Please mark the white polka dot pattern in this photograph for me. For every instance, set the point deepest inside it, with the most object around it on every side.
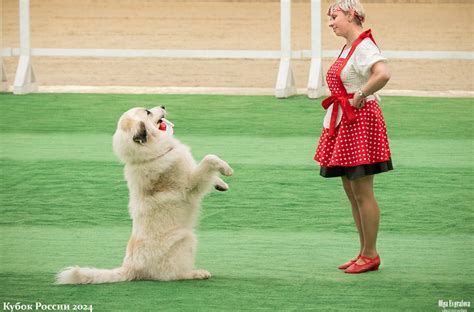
(359, 143)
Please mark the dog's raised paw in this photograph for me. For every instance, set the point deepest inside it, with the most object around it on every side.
(221, 186)
(227, 170)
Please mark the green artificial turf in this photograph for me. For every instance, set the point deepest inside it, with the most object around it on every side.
(272, 242)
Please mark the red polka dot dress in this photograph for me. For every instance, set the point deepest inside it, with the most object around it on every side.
(353, 142)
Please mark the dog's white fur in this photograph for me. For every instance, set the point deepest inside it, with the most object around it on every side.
(165, 187)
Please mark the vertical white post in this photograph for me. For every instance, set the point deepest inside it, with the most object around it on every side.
(3, 75)
(25, 80)
(315, 80)
(285, 85)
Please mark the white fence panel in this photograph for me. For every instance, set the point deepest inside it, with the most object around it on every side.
(25, 80)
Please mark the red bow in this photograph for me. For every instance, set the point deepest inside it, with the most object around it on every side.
(347, 110)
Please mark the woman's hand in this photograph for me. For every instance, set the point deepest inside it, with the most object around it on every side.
(378, 79)
(358, 101)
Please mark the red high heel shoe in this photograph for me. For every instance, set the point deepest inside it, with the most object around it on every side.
(348, 263)
(370, 264)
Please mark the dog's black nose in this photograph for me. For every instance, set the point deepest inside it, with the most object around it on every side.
(162, 107)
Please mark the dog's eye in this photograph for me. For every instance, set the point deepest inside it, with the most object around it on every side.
(148, 112)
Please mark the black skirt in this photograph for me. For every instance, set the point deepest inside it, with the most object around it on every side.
(356, 172)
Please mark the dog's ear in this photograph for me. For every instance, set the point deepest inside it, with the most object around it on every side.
(126, 124)
(141, 135)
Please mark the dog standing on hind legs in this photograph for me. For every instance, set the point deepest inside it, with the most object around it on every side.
(166, 187)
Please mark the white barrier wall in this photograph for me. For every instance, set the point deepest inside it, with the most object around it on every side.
(285, 85)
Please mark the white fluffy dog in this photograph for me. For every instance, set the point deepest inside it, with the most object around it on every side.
(165, 187)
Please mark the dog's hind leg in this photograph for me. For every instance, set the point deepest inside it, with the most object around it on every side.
(196, 274)
(181, 255)
(177, 262)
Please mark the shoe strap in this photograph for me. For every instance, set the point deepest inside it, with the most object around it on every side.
(355, 260)
(367, 260)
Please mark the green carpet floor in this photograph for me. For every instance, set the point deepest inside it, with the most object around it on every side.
(272, 242)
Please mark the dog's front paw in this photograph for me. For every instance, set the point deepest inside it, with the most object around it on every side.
(221, 186)
(226, 169)
(219, 165)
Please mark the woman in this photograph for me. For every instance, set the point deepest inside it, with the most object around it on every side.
(353, 143)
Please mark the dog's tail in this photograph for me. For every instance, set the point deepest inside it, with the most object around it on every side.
(77, 275)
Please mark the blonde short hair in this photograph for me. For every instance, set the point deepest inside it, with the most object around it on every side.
(347, 6)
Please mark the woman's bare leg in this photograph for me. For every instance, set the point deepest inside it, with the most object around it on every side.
(355, 210)
(362, 189)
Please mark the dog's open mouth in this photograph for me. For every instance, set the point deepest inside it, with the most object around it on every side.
(165, 125)
(161, 125)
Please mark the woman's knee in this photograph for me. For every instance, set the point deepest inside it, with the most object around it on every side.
(363, 199)
(348, 190)
(362, 190)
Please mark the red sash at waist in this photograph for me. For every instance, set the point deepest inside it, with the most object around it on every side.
(347, 109)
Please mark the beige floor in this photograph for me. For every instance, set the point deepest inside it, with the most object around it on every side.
(225, 25)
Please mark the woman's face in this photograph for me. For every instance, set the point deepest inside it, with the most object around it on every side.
(339, 22)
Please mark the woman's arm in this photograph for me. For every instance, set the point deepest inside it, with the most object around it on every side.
(378, 79)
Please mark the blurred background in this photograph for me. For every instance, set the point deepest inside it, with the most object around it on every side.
(397, 25)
